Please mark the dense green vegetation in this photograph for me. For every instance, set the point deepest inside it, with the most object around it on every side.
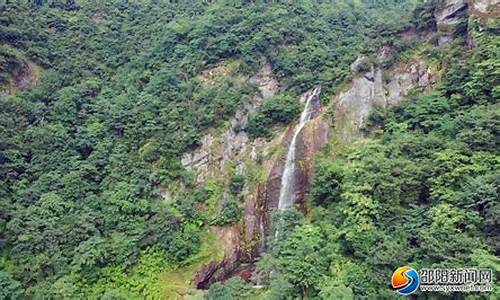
(278, 109)
(122, 94)
(119, 99)
(422, 190)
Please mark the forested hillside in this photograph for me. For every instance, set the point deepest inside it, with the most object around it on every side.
(422, 189)
(99, 100)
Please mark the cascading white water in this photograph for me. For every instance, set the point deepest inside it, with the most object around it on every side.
(287, 192)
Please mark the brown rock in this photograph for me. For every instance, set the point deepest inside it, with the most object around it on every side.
(216, 271)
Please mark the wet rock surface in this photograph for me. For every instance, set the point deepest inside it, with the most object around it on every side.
(374, 85)
(256, 224)
(258, 206)
(219, 270)
(243, 241)
(312, 139)
(372, 88)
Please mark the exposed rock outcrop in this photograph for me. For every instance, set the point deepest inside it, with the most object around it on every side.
(219, 270)
(310, 140)
(216, 151)
(484, 9)
(451, 16)
(378, 88)
(27, 76)
(256, 223)
(373, 86)
(24, 78)
(359, 64)
(260, 203)
(369, 90)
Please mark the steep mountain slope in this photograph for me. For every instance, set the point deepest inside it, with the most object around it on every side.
(418, 185)
(143, 145)
(367, 198)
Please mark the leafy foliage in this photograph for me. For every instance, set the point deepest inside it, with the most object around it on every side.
(229, 212)
(10, 288)
(120, 99)
(278, 109)
(232, 289)
(121, 96)
(422, 191)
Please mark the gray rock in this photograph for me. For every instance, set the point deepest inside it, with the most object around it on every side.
(216, 152)
(359, 100)
(449, 15)
(370, 91)
(385, 55)
(485, 7)
(165, 194)
(359, 64)
(266, 83)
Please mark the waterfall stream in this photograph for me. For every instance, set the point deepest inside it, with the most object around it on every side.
(287, 190)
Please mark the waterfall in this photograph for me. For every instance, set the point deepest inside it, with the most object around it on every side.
(287, 191)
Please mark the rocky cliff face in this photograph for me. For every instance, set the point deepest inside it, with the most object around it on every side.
(369, 89)
(217, 150)
(452, 16)
(244, 240)
(484, 9)
(377, 88)
(310, 140)
(24, 78)
(260, 203)
(374, 85)
(219, 270)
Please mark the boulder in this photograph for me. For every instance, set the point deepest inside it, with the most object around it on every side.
(450, 16)
(360, 64)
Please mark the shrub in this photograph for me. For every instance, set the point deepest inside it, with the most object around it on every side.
(233, 288)
(237, 183)
(327, 185)
(230, 211)
(278, 109)
(218, 291)
(9, 287)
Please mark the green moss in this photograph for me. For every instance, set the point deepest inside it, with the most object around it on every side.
(177, 280)
(255, 174)
(216, 189)
(276, 150)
